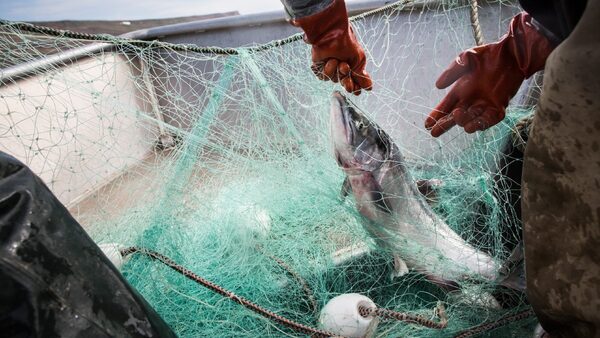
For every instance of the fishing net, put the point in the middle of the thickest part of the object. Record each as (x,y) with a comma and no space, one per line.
(221,160)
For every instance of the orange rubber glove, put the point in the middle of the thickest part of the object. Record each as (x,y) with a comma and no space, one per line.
(486,77)
(336,54)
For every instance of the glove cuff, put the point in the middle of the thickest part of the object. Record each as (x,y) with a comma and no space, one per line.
(529,46)
(323,27)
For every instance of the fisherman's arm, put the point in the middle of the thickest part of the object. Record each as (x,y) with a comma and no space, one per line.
(336,53)
(56,282)
(486,77)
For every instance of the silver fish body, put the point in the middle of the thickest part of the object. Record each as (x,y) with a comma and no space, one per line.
(396,215)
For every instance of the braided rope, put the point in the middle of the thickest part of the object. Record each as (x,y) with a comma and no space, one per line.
(398,5)
(495,324)
(475,25)
(305,329)
(407,317)
(28,27)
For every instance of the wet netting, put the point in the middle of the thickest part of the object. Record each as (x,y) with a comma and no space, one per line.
(221,160)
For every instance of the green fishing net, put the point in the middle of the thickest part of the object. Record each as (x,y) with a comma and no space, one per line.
(222,161)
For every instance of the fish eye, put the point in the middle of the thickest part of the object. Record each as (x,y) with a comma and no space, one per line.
(359,124)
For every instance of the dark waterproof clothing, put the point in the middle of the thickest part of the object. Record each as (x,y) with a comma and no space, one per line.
(558,18)
(54,280)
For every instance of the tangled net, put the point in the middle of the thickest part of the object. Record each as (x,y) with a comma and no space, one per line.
(220,159)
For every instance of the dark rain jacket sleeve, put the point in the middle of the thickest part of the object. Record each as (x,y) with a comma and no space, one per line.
(556,19)
(55,281)
(301,8)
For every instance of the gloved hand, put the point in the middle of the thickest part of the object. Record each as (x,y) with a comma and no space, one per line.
(486,77)
(336,54)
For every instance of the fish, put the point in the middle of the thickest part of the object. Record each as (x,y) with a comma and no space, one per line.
(395,213)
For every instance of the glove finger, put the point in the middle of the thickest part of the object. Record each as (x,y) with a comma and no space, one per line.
(363,80)
(443,125)
(356,88)
(344,69)
(489,118)
(475,125)
(458,68)
(442,109)
(463,116)
(348,84)
(330,70)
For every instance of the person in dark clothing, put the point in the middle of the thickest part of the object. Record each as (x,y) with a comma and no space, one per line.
(56,282)
(561,184)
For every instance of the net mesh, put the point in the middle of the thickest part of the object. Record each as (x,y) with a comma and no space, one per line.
(223,162)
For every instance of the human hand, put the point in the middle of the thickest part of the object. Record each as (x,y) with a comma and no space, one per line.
(485,78)
(336,53)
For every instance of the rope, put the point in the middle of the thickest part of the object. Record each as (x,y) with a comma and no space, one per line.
(394,6)
(28,27)
(407,317)
(304,329)
(495,324)
(475,25)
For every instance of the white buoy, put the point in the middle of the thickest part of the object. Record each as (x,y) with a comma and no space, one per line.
(341,316)
(111,250)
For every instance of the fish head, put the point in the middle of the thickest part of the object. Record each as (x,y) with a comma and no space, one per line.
(359,144)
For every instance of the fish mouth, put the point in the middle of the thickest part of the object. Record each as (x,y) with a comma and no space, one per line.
(343,116)
(357,143)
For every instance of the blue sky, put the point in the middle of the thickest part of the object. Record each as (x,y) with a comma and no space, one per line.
(49,10)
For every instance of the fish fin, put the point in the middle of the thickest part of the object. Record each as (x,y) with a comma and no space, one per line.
(350,253)
(400,267)
(512,272)
(346,189)
(443,283)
